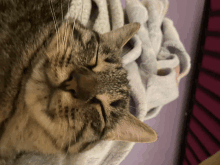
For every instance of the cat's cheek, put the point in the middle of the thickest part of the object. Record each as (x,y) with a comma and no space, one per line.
(57,75)
(68,99)
(35,94)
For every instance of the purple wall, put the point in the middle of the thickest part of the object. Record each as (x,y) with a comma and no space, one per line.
(186,15)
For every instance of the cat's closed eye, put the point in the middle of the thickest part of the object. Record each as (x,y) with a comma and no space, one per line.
(94,100)
(117,103)
(96,60)
(110,60)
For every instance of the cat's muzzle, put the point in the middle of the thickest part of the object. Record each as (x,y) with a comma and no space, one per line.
(82,84)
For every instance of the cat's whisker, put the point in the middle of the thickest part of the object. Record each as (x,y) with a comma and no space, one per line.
(75,20)
(69,142)
(59,124)
(60,130)
(73,26)
(74,130)
(65,33)
(54,20)
(136,107)
(81,9)
(132,107)
(69,138)
(69,5)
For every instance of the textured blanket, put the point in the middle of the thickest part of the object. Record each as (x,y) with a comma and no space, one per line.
(155,59)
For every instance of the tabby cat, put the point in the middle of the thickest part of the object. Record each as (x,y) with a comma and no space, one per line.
(63,88)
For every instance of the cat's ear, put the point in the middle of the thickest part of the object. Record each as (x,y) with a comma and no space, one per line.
(122,35)
(131,129)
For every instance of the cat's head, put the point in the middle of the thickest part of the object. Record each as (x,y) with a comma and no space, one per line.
(79,92)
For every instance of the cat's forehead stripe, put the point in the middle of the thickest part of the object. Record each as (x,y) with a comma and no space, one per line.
(85,37)
(106,49)
(77,35)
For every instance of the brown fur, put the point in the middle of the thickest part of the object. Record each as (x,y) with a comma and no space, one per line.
(67,91)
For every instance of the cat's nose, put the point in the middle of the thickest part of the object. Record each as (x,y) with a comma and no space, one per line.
(82,84)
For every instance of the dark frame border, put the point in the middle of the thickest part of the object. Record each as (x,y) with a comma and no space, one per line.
(194,80)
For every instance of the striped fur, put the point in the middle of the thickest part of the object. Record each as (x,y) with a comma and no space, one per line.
(40,54)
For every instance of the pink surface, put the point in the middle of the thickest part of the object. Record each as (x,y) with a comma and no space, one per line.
(212,44)
(207,121)
(191,158)
(205,80)
(203,125)
(215,5)
(212,105)
(203,137)
(211,63)
(186,15)
(196,148)
(185,162)
(214,24)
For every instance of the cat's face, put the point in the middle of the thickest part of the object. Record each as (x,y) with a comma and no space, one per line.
(79,93)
